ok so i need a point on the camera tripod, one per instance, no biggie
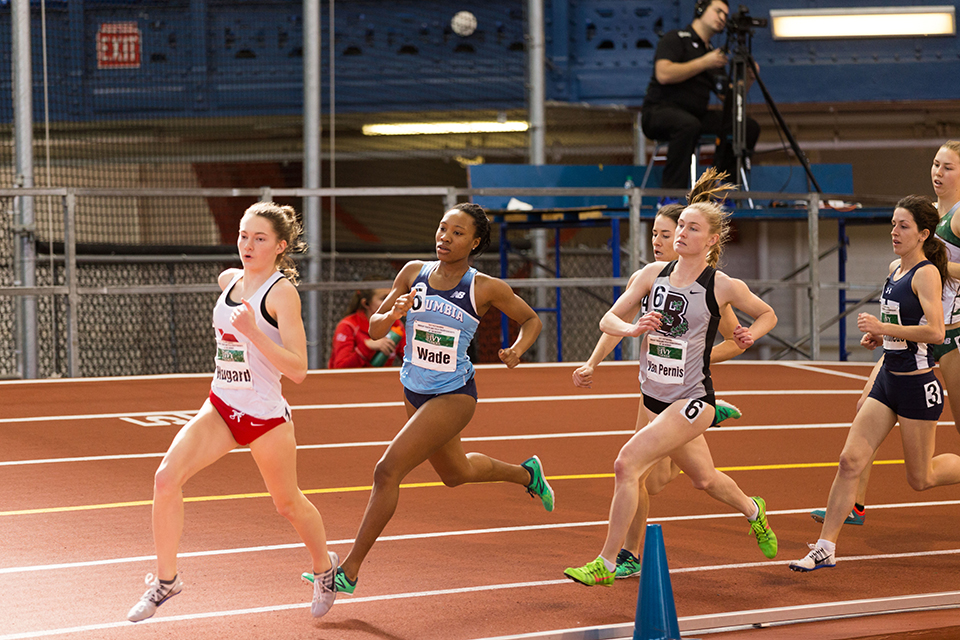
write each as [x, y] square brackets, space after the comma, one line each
[740, 62]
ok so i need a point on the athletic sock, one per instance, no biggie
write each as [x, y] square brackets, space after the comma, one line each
[168, 582]
[827, 545]
[859, 508]
[756, 514]
[611, 566]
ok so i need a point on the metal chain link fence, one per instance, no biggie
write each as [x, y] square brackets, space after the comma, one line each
[144, 334]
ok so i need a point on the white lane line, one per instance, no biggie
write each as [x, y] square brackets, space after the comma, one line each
[298, 545]
[830, 372]
[66, 566]
[384, 443]
[423, 594]
[180, 413]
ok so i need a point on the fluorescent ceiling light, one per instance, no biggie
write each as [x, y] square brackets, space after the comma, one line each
[865, 22]
[420, 128]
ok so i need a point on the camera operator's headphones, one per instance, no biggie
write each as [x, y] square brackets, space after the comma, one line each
[701, 7]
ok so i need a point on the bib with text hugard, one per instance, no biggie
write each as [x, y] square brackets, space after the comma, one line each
[890, 312]
[232, 367]
[435, 346]
[665, 358]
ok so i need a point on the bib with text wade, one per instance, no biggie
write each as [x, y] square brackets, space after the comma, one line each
[435, 346]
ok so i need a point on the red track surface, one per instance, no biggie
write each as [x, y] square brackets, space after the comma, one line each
[74, 563]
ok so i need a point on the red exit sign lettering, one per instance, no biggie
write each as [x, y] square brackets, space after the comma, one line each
[118, 46]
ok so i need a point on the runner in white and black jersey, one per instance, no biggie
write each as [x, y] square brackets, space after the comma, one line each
[260, 337]
[905, 389]
[709, 187]
[686, 298]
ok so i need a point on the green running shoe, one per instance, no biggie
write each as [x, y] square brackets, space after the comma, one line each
[591, 574]
[628, 565]
[766, 538]
[725, 410]
[855, 517]
[343, 584]
[538, 487]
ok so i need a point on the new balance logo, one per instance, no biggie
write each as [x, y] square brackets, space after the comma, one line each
[458, 295]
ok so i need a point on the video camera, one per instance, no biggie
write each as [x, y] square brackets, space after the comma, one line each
[741, 22]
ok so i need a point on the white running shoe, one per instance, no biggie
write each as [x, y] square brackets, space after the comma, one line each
[155, 596]
[816, 559]
[324, 592]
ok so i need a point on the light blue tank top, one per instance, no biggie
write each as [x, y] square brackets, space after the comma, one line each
[439, 327]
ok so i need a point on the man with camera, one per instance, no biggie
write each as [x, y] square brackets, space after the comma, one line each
[675, 109]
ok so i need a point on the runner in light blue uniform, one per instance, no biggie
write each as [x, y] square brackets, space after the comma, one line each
[440, 326]
[443, 302]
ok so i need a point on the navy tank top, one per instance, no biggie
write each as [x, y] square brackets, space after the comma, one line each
[900, 305]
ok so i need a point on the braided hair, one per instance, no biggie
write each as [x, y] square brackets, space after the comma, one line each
[481, 224]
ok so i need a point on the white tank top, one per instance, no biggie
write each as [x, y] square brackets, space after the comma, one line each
[244, 378]
[675, 360]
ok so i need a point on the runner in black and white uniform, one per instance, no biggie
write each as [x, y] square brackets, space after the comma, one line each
[260, 337]
[685, 302]
[708, 188]
[905, 389]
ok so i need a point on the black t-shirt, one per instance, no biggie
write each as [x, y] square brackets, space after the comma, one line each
[693, 94]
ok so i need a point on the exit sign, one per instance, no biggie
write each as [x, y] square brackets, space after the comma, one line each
[118, 46]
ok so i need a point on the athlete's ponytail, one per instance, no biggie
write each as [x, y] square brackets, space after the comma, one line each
[926, 217]
[706, 196]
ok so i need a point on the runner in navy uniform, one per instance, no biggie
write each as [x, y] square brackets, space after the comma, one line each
[945, 176]
[905, 388]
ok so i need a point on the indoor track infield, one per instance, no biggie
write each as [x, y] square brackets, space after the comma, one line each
[77, 459]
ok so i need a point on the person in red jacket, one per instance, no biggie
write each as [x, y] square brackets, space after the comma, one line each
[352, 346]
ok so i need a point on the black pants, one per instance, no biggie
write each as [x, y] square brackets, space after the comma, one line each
[681, 130]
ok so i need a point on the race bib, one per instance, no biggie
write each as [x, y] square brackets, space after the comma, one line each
[666, 358]
[435, 346]
[419, 298]
[890, 313]
[232, 367]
